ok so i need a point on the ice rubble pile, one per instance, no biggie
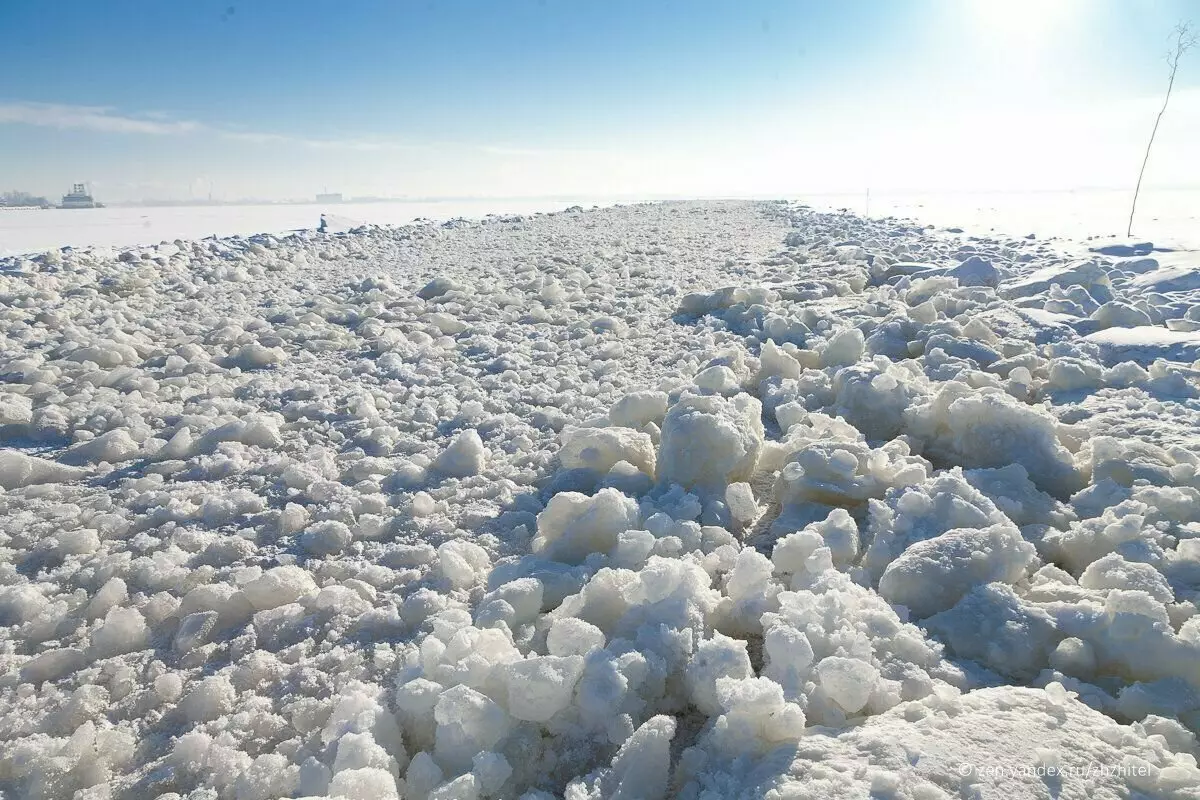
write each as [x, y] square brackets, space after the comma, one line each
[627, 503]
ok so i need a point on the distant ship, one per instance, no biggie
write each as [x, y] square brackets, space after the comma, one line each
[79, 198]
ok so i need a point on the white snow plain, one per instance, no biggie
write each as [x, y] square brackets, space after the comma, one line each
[31, 229]
[699, 500]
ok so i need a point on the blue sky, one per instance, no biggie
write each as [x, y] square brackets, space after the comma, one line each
[467, 97]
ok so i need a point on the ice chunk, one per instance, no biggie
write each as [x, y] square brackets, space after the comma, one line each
[1145, 344]
[739, 498]
[574, 525]
[523, 595]
[463, 563]
[839, 533]
[464, 787]
[726, 297]
[437, 287]
[540, 687]
[988, 428]
[259, 430]
[209, 699]
[1015, 495]
[717, 378]
[415, 702]
[1114, 572]
[1078, 273]
[873, 398]
[598, 449]
[775, 361]
[15, 409]
[976, 271]
[463, 457]
[635, 409]
[422, 776]
[756, 716]
[358, 709]
[358, 750]
[168, 687]
[52, 664]
[18, 469]
[846, 347]
[915, 513]
[23, 603]
[1074, 657]
[492, 770]
[845, 473]
[1168, 697]
[467, 723]
[933, 575]
[1085, 541]
[718, 657]
[789, 657]
[447, 324]
[279, 586]
[848, 681]
[255, 356]
[710, 442]
[994, 627]
[1073, 374]
[341, 600]
[327, 537]
[368, 783]
[793, 551]
[1115, 314]
[270, 776]
[641, 769]
[194, 630]
[569, 636]
[751, 591]
[1172, 278]
[123, 630]
[113, 593]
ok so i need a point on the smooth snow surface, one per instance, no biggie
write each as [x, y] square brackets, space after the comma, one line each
[30, 230]
[1163, 215]
[699, 500]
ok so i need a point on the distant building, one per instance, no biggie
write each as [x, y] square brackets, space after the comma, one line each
[330, 197]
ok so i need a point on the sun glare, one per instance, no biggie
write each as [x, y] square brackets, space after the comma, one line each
[1022, 22]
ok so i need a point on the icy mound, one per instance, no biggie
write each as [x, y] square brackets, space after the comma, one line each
[987, 427]
[1146, 344]
[1181, 278]
[1002, 742]
[690, 500]
[18, 470]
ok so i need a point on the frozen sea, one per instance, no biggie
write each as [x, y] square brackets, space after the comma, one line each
[33, 230]
[1165, 216]
[681, 500]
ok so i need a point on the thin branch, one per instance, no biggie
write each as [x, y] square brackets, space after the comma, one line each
[1184, 40]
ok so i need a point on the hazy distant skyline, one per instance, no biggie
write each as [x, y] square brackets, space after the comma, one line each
[282, 100]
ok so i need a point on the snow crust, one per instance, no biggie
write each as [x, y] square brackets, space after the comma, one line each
[689, 500]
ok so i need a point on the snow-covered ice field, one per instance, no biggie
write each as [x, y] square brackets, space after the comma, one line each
[1164, 216]
[700, 500]
[30, 230]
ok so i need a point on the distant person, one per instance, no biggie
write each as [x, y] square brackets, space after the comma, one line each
[323, 226]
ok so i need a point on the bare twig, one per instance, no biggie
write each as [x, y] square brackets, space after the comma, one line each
[1184, 40]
